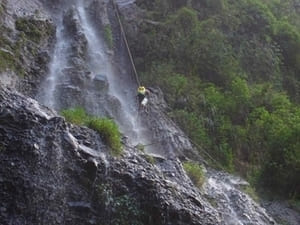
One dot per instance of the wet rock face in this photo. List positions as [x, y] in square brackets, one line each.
[169, 138]
[26, 39]
[54, 173]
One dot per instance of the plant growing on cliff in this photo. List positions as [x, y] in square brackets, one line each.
[108, 36]
[106, 128]
[75, 115]
[195, 172]
[34, 30]
[2, 8]
[126, 211]
[109, 131]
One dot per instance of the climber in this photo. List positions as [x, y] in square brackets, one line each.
[142, 97]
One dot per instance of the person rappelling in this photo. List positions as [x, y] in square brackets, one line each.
[142, 95]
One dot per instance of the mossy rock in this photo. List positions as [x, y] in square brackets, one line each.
[34, 30]
[7, 60]
[2, 8]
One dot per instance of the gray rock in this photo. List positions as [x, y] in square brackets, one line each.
[101, 82]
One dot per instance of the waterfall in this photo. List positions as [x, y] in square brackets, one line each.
[74, 77]
[47, 92]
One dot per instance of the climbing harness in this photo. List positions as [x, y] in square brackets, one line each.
[144, 102]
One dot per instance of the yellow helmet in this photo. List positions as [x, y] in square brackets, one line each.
[141, 89]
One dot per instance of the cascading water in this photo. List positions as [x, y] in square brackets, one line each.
[46, 94]
[61, 89]
[235, 207]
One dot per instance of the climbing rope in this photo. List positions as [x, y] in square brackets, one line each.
[200, 148]
[126, 42]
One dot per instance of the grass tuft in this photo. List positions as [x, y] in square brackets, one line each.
[109, 131]
[106, 128]
[75, 115]
[195, 172]
[251, 192]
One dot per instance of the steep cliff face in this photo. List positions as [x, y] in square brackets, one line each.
[26, 39]
[55, 173]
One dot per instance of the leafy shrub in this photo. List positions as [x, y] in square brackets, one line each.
[107, 128]
[195, 172]
[288, 37]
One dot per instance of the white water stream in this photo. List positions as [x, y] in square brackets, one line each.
[47, 93]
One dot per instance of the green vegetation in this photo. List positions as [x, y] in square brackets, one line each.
[6, 60]
[76, 115]
[230, 74]
[7, 51]
[15, 48]
[251, 192]
[109, 131]
[150, 159]
[34, 30]
[295, 204]
[125, 209]
[195, 172]
[107, 128]
[2, 8]
[10, 57]
[108, 36]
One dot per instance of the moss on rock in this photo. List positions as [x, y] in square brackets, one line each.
[34, 30]
[108, 36]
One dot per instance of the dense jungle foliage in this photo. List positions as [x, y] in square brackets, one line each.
[230, 71]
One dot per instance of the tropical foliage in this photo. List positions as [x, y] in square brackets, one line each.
[230, 73]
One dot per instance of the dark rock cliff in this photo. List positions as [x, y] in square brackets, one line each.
[55, 173]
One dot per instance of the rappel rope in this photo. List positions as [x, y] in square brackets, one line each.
[200, 148]
[126, 42]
